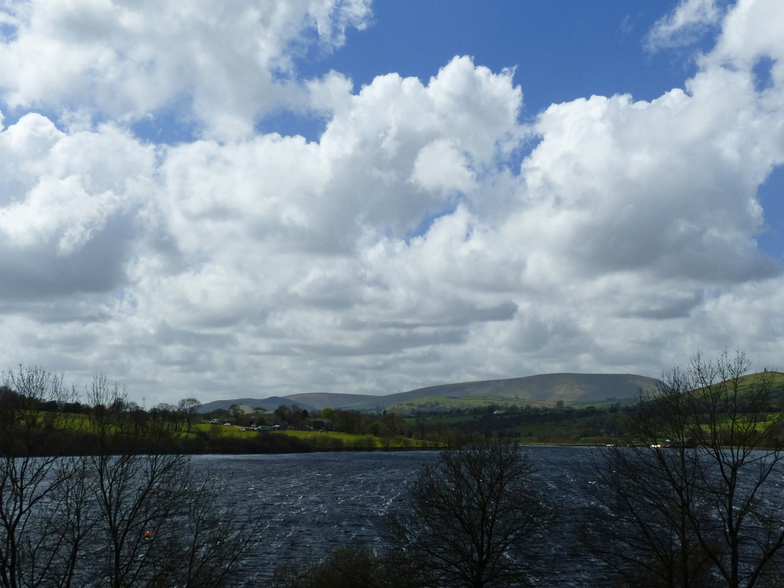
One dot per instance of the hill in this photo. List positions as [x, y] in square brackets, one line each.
[546, 389]
[250, 404]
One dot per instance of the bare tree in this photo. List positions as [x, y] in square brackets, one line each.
[690, 496]
[212, 538]
[30, 472]
[188, 408]
[69, 522]
[644, 495]
[158, 524]
[473, 519]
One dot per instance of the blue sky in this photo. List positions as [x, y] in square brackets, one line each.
[559, 50]
[280, 196]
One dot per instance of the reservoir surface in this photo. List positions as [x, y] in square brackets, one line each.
[313, 503]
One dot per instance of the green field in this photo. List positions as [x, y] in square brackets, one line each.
[321, 439]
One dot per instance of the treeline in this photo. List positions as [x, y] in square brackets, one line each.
[524, 424]
[371, 430]
[352, 422]
[538, 424]
[72, 432]
[71, 429]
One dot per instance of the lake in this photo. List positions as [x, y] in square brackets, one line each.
[314, 503]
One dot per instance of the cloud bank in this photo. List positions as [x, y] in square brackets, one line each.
[409, 245]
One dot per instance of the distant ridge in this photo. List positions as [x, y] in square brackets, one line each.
[570, 388]
[546, 388]
[269, 404]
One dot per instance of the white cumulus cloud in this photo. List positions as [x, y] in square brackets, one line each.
[226, 62]
[411, 244]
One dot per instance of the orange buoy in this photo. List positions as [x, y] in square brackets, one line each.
[146, 534]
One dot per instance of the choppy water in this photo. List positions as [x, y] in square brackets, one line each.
[315, 503]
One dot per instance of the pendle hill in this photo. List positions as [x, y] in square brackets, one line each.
[539, 390]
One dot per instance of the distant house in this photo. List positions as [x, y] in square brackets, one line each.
[320, 424]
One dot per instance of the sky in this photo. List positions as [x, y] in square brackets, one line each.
[223, 199]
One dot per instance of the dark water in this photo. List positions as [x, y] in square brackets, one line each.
[314, 503]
